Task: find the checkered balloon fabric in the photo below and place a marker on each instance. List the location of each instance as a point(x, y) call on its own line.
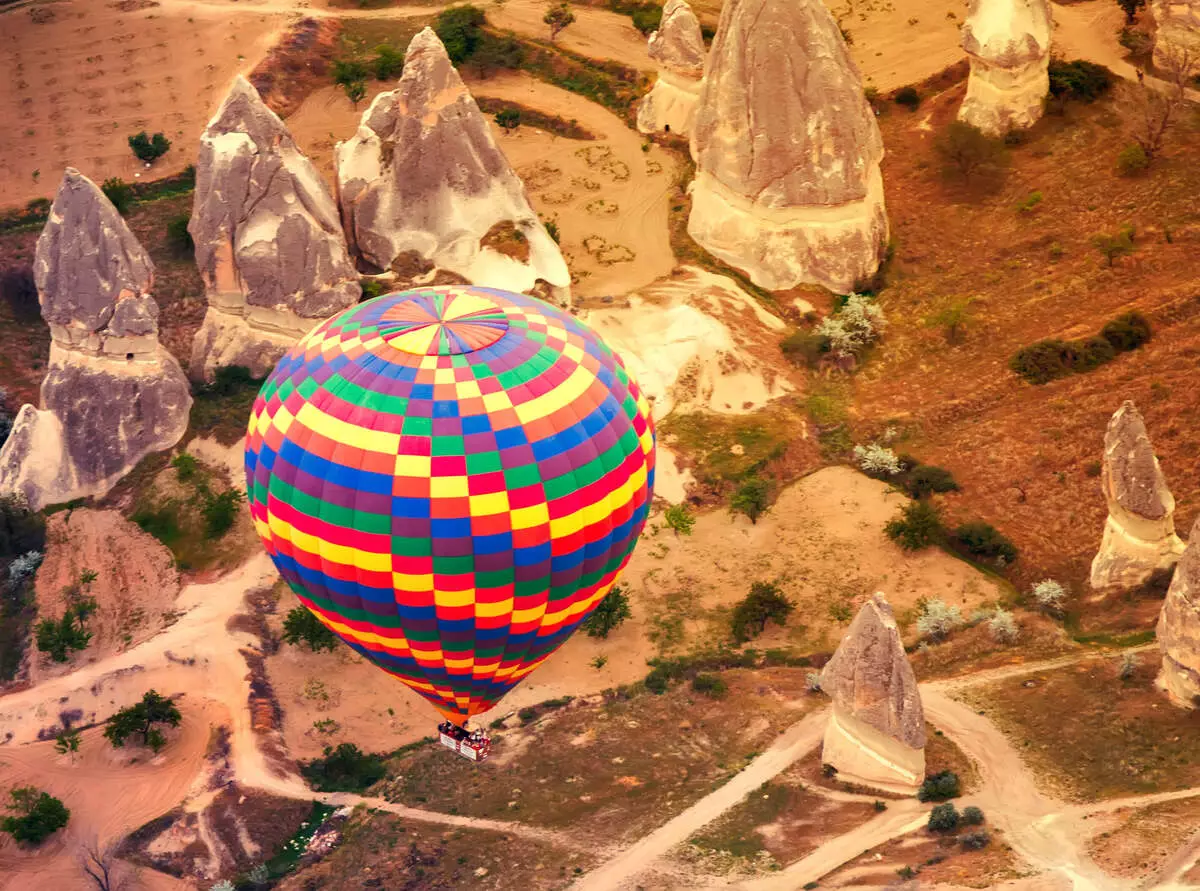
point(451, 479)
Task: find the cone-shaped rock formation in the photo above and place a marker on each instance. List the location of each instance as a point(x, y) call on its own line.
point(787, 151)
point(1008, 42)
point(1179, 628)
point(423, 181)
point(678, 48)
point(268, 241)
point(1139, 535)
point(112, 394)
point(876, 733)
point(1178, 31)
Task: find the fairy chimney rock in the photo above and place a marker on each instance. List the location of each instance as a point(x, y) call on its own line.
point(678, 48)
point(269, 244)
point(1179, 628)
point(423, 183)
point(1139, 535)
point(876, 732)
point(112, 394)
point(1008, 43)
point(787, 150)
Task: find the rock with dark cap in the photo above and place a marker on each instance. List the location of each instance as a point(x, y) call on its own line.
point(424, 178)
point(678, 48)
point(269, 244)
point(1008, 43)
point(1179, 628)
point(1139, 534)
point(112, 394)
point(787, 150)
point(876, 732)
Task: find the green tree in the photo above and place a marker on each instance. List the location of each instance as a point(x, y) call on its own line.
point(943, 818)
point(752, 498)
point(348, 71)
point(939, 786)
point(179, 239)
point(344, 769)
point(58, 638)
point(302, 627)
point(1116, 245)
point(608, 614)
point(67, 741)
point(355, 91)
point(953, 319)
point(149, 148)
point(460, 29)
point(141, 719)
point(918, 526)
point(968, 154)
point(119, 192)
point(37, 815)
point(558, 17)
point(764, 602)
point(388, 62)
point(220, 512)
point(680, 519)
point(508, 118)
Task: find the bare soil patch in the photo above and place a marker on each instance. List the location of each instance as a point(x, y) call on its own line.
point(1138, 841)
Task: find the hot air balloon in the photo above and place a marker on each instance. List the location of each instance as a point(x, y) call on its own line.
point(451, 479)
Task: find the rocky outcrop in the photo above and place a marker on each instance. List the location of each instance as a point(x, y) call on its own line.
point(1178, 31)
point(268, 241)
point(1179, 628)
point(1139, 535)
point(787, 151)
point(423, 179)
point(876, 732)
point(112, 394)
point(678, 48)
point(1008, 42)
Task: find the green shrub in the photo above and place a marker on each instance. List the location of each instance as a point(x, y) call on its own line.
point(344, 769)
point(925, 479)
point(496, 52)
point(1080, 80)
point(149, 148)
point(372, 288)
point(119, 192)
point(388, 63)
point(58, 638)
point(680, 519)
point(179, 239)
point(38, 815)
point(301, 626)
point(764, 603)
point(918, 526)
point(20, 293)
point(1132, 160)
point(710, 685)
point(975, 841)
point(348, 71)
point(140, 719)
point(752, 498)
point(984, 541)
point(1127, 331)
point(943, 818)
point(460, 28)
point(1092, 352)
point(972, 816)
point(1116, 245)
point(508, 118)
point(1044, 361)
point(220, 512)
point(186, 466)
point(939, 786)
point(908, 97)
point(969, 154)
point(610, 612)
point(647, 18)
point(805, 347)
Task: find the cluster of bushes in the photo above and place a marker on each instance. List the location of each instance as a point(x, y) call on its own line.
point(904, 471)
point(352, 74)
point(1049, 360)
point(919, 525)
point(22, 539)
point(149, 148)
point(1077, 80)
point(646, 16)
point(344, 769)
point(664, 671)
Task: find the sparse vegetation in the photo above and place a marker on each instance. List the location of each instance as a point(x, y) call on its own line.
point(1132, 160)
point(764, 603)
point(36, 815)
point(937, 621)
point(918, 526)
point(953, 318)
point(850, 330)
point(975, 841)
point(1116, 245)
point(679, 519)
point(610, 612)
point(508, 119)
point(301, 626)
point(923, 480)
point(1129, 666)
point(141, 720)
point(149, 148)
point(709, 685)
point(67, 742)
point(968, 154)
point(119, 192)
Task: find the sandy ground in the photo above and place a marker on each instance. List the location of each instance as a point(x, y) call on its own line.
point(134, 589)
point(83, 82)
point(596, 33)
point(109, 792)
point(608, 197)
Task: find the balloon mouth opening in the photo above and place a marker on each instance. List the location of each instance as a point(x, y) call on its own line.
point(443, 324)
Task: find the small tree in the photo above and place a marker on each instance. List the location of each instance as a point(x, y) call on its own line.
point(558, 17)
point(37, 815)
point(967, 153)
point(812, 682)
point(149, 148)
point(918, 526)
point(59, 638)
point(141, 719)
point(764, 602)
point(388, 62)
point(460, 29)
point(752, 498)
point(508, 119)
point(1049, 595)
point(348, 71)
point(953, 319)
point(67, 741)
point(103, 867)
point(972, 816)
point(1003, 626)
point(119, 192)
point(977, 840)
point(939, 786)
point(301, 626)
point(1131, 8)
point(936, 620)
point(926, 479)
point(1113, 246)
point(610, 612)
point(1158, 108)
point(709, 685)
point(355, 91)
point(680, 519)
point(943, 818)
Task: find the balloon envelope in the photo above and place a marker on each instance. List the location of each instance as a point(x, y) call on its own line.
point(451, 479)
